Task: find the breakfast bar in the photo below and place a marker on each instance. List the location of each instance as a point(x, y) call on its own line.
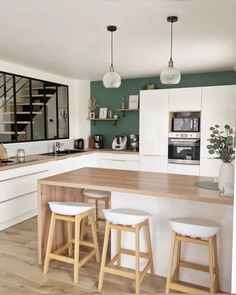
point(162, 195)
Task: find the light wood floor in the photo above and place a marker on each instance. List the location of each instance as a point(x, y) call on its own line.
point(20, 273)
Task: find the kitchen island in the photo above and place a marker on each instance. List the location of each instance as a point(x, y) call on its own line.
point(162, 195)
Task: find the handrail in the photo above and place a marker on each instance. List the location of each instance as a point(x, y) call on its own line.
point(5, 102)
point(10, 87)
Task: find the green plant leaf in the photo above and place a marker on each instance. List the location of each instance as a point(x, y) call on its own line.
point(212, 128)
point(217, 126)
point(227, 127)
point(211, 152)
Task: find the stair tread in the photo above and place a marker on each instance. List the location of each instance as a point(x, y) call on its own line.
point(13, 122)
point(38, 95)
point(27, 104)
point(12, 132)
point(23, 113)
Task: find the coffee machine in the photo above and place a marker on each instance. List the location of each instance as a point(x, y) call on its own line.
point(119, 142)
point(79, 144)
point(134, 142)
point(98, 141)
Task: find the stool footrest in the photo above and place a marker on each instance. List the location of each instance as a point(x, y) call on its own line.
point(61, 258)
point(87, 257)
point(187, 239)
point(119, 272)
point(195, 266)
point(181, 287)
point(132, 253)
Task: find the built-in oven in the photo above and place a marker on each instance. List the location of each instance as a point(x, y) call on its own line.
point(184, 148)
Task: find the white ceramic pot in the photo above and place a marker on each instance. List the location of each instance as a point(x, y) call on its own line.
point(226, 176)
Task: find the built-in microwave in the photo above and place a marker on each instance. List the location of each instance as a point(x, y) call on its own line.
point(187, 124)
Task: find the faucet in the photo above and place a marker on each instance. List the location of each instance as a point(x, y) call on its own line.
point(56, 146)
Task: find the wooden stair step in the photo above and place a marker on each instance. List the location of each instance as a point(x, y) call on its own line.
point(28, 104)
point(12, 132)
point(13, 122)
point(23, 113)
point(37, 95)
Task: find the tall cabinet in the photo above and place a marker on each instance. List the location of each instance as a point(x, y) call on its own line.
point(218, 107)
point(153, 130)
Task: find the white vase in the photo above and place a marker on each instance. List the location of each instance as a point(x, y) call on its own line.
point(226, 176)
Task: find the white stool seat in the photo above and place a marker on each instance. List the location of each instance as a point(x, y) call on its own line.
point(194, 227)
point(96, 194)
point(70, 208)
point(125, 216)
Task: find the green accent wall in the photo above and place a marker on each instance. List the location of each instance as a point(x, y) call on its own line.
point(111, 98)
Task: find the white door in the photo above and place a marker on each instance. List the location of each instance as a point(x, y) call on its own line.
point(154, 122)
point(218, 107)
point(185, 99)
point(151, 163)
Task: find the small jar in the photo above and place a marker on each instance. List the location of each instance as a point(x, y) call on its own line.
point(110, 114)
point(21, 155)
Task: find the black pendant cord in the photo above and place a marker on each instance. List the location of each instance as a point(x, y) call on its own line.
point(171, 40)
point(112, 50)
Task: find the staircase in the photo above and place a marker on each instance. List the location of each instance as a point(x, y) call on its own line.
point(22, 100)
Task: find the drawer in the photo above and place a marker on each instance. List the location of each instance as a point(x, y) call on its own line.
point(21, 171)
point(184, 169)
point(120, 156)
point(117, 164)
point(19, 186)
point(13, 208)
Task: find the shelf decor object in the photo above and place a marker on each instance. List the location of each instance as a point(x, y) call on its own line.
point(222, 144)
point(133, 101)
point(111, 79)
point(171, 75)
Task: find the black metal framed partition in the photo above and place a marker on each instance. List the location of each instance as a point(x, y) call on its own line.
point(32, 109)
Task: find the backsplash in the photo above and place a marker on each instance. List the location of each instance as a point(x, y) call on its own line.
point(33, 148)
point(111, 98)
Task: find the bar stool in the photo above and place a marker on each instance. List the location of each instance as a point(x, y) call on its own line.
point(129, 220)
point(71, 212)
point(97, 196)
point(195, 231)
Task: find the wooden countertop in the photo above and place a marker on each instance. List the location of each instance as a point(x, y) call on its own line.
point(144, 183)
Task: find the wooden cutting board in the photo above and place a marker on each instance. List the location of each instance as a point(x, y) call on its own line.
point(3, 152)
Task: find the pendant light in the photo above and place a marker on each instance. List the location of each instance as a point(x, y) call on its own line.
point(171, 75)
point(111, 79)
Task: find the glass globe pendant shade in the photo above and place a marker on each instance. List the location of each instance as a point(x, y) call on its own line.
point(111, 79)
point(170, 75)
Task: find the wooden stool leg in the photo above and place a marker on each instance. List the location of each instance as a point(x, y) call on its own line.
point(149, 245)
point(104, 254)
point(118, 245)
point(172, 252)
point(107, 204)
point(137, 259)
point(76, 251)
point(97, 213)
point(216, 266)
point(50, 242)
point(178, 257)
point(69, 237)
point(211, 266)
point(95, 239)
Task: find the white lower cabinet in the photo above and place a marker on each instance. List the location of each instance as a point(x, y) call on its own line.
point(151, 163)
point(18, 199)
point(119, 161)
point(184, 169)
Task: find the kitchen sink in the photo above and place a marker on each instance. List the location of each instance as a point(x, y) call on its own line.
point(7, 161)
point(63, 153)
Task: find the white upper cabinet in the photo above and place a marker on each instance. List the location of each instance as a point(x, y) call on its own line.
point(218, 107)
point(185, 99)
point(154, 121)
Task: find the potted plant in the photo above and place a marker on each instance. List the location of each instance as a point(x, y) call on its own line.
point(222, 145)
point(92, 108)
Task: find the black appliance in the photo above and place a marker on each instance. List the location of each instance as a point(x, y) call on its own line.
point(79, 144)
point(187, 124)
point(98, 141)
point(184, 148)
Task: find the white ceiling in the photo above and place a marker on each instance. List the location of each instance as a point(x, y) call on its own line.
point(69, 37)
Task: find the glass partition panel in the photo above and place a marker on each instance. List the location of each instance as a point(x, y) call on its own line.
point(63, 124)
point(51, 107)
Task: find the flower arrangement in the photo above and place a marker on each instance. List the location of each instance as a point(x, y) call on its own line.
point(92, 104)
point(222, 143)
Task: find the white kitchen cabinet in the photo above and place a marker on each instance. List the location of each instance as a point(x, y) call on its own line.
point(151, 163)
point(154, 121)
point(184, 169)
point(185, 99)
point(218, 107)
point(119, 161)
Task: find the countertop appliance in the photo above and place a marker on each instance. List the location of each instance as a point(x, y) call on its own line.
point(79, 144)
point(119, 142)
point(184, 148)
point(187, 124)
point(98, 141)
point(134, 142)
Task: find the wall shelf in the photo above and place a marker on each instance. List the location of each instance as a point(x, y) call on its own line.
point(107, 119)
point(127, 110)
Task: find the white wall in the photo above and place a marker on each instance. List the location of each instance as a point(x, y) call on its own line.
point(79, 94)
point(233, 287)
